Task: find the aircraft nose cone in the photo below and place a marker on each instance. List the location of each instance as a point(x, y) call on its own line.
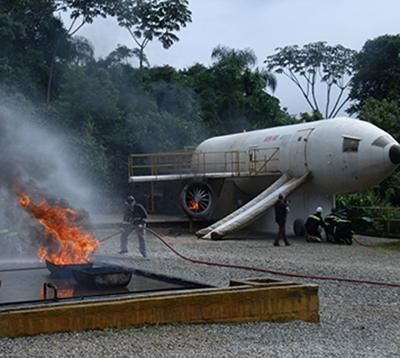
point(394, 154)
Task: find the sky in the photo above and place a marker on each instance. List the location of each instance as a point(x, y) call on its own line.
point(263, 26)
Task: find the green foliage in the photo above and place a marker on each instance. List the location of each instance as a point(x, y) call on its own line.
point(147, 20)
point(364, 199)
point(312, 64)
point(122, 54)
point(310, 117)
point(377, 71)
point(232, 94)
point(383, 113)
point(82, 52)
point(109, 109)
point(376, 88)
point(83, 12)
point(361, 209)
point(29, 33)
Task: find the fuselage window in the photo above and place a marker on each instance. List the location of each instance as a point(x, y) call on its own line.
point(381, 141)
point(350, 144)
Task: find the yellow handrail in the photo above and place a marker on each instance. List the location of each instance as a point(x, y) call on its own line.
point(201, 162)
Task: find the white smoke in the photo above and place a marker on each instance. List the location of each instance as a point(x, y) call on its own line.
point(35, 156)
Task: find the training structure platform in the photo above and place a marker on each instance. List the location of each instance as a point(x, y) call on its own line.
point(32, 302)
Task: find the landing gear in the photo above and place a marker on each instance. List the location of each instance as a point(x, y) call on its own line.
point(298, 228)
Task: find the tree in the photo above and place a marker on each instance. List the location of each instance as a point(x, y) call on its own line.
point(28, 34)
point(240, 60)
point(385, 114)
point(376, 88)
point(82, 52)
point(316, 63)
point(84, 11)
point(377, 71)
point(147, 20)
point(81, 12)
point(233, 94)
point(122, 54)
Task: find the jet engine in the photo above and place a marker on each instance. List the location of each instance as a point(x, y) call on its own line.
point(197, 199)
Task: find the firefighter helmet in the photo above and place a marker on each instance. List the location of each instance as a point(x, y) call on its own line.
point(130, 199)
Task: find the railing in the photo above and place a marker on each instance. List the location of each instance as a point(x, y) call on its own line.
point(159, 163)
point(253, 162)
point(375, 221)
point(260, 158)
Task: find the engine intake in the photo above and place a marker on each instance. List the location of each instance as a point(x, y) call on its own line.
point(197, 199)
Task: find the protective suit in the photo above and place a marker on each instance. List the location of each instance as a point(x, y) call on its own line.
point(134, 220)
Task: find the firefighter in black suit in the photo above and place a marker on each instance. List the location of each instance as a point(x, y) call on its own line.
point(281, 211)
point(135, 216)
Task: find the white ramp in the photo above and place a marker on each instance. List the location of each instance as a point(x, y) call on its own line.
point(253, 209)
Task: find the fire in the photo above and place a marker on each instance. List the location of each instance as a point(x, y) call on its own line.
point(64, 241)
point(194, 205)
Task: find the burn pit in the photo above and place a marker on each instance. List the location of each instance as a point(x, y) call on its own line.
point(88, 275)
point(36, 285)
point(66, 246)
point(70, 268)
point(65, 271)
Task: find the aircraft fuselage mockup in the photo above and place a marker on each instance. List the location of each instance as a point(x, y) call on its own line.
point(237, 178)
point(343, 155)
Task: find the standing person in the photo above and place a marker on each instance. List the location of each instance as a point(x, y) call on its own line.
point(281, 210)
point(314, 225)
point(134, 220)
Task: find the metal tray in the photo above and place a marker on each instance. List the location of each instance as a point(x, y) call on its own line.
point(65, 271)
point(102, 277)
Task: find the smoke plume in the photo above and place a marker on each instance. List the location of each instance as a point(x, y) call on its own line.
point(34, 157)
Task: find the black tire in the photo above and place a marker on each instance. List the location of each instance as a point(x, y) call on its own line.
point(298, 228)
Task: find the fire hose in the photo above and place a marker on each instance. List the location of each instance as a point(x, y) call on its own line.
point(270, 271)
point(111, 235)
point(243, 267)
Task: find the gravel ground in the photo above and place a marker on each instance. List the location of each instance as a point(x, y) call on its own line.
point(356, 320)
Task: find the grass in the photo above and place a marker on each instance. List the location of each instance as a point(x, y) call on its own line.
point(391, 246)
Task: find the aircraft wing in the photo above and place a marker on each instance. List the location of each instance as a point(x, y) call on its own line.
point(253, 209)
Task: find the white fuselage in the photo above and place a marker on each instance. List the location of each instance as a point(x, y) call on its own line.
point(344, 155)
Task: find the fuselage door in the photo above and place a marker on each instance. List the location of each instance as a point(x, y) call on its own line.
point(298, 152)
point(253, 149)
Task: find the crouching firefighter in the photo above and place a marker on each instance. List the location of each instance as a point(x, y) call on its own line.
point(330, 225)
point(314, 225)
point(135, 216)
point(338, 230)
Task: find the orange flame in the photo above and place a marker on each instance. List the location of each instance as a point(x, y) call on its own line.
point(64, 241)
point(194, 205)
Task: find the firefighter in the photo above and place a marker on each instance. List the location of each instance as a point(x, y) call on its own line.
point(344, 232)
point(135, 216)
point(338, 230)
point(314, 225)
point(281, 210)
point(331, 221)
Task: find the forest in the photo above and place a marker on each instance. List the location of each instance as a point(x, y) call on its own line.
point(117, 105)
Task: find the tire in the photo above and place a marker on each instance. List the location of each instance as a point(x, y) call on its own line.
point(298, 228)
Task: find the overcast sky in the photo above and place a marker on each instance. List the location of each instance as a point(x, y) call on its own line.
point(262, 25)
